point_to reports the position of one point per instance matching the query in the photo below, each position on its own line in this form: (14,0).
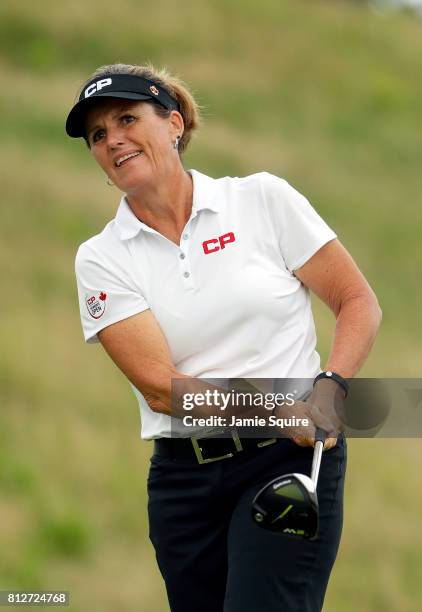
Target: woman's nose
(114,137)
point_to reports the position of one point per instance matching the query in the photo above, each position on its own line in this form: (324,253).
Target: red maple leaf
(103,296)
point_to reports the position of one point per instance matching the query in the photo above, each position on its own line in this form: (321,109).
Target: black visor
(125,86)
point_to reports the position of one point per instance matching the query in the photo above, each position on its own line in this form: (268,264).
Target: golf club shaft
(316,461)
(320,436)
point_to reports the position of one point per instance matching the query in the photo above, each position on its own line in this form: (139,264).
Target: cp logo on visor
(97,86)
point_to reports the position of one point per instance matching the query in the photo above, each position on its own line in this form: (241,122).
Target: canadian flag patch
(96,304)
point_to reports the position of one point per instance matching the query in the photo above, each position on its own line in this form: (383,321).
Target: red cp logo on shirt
(215,244)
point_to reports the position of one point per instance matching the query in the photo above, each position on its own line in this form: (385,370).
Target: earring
(176,143)
(109,182)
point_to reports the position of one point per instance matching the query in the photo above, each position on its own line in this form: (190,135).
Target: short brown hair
(189,108)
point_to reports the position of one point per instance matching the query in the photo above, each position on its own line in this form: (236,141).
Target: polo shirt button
(185,236)
(186,274)
(182,255)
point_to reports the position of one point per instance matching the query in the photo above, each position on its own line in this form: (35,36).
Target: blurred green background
(326,94)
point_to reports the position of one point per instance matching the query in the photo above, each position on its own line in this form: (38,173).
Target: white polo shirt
(226,298)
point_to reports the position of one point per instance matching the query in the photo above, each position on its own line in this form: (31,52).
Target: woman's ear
(177,125)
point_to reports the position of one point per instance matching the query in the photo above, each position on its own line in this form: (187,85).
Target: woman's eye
(97,135)
(128,119)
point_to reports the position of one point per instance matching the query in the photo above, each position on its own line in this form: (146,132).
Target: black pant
(214,558)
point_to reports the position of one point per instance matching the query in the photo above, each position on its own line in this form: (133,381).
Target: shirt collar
(204,198)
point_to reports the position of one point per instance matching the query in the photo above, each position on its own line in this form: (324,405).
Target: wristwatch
(334,376)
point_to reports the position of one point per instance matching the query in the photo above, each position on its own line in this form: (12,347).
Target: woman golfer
(208,278)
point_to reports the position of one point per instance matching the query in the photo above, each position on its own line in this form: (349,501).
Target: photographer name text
(235,421)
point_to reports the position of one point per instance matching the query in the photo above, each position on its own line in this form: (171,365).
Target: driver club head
(288,505)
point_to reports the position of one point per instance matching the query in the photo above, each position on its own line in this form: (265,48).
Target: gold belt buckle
(198,449)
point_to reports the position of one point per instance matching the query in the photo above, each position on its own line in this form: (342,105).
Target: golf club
(289,504)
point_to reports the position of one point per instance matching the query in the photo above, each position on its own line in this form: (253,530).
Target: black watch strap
(334,376)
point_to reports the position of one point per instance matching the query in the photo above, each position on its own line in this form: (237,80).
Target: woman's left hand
(325,409)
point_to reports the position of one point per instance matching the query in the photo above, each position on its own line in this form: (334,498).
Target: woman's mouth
(124,158)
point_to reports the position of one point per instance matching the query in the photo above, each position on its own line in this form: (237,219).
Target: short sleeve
(106,292)
(300,230)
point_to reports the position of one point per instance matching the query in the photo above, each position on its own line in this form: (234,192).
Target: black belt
(209,449)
